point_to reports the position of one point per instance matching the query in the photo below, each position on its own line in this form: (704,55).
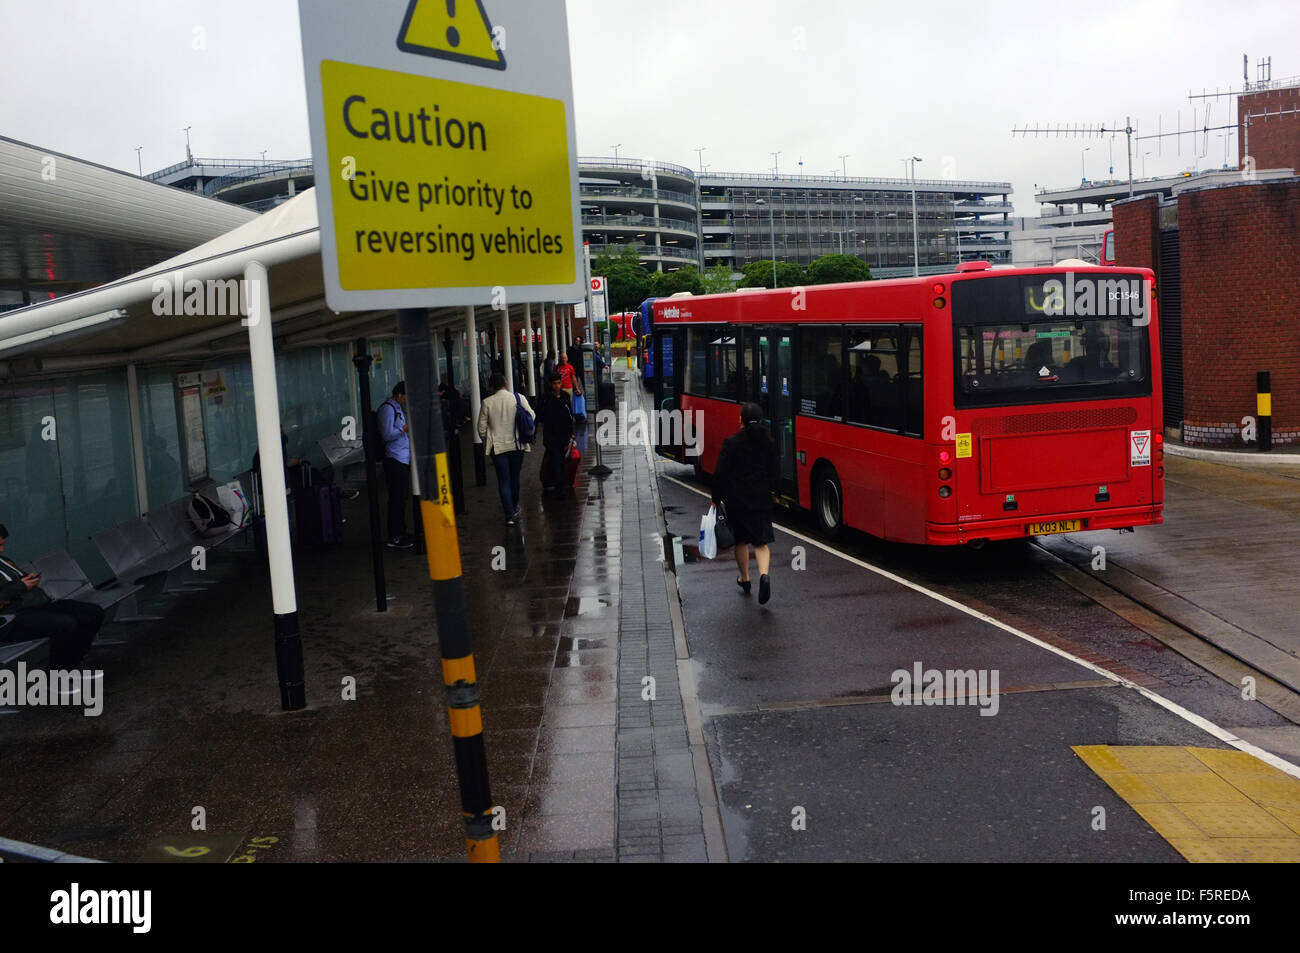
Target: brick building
(1227,264)
(1273,138)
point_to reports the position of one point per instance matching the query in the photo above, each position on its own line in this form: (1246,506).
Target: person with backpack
(747,472)
(507,425)
(392,427)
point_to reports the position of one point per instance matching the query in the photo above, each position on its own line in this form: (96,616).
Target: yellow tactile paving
(1290,818)
(1211,804)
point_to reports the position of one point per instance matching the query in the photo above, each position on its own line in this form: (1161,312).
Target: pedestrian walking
(397,464)
(497,427)
(555,415)
(748,467)
(568,377)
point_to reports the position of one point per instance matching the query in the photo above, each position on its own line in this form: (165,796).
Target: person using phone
(69,625)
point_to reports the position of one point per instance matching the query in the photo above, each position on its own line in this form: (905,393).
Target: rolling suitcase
(571,460)
(319,510)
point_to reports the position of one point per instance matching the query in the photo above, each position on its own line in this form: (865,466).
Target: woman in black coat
(555,415)
(747,471)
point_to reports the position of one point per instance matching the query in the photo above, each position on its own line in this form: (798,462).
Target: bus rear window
(1050,360)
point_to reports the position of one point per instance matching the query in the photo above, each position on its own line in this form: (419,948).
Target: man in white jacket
(496,425)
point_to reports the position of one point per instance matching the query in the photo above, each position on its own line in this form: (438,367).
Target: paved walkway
(570,612)
(1222,564)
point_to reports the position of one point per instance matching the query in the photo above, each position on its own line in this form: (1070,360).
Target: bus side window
(874,382)
(722,368)
(823,372)
(697,353)
(915,388)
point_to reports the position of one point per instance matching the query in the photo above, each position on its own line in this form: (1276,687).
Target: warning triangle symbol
(1140,443)
(451,30)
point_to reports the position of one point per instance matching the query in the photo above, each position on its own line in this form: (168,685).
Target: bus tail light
(937,288)
(945,473)
(945,491)
(944,456)
(939,302)
(1160,473)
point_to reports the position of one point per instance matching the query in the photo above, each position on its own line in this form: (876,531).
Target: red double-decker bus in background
(982,405)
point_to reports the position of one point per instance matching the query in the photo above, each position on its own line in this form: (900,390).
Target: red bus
(1107,256)
(987,404)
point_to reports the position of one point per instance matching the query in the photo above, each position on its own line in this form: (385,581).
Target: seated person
(1040,356)
(69,625)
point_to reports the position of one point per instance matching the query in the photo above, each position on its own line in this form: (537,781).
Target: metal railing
(631,191)
(638,221)
(650,251)
(223,164)
(721,178)
(634,165)
(249,174)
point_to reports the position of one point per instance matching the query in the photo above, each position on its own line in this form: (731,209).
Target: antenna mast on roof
(1086,132)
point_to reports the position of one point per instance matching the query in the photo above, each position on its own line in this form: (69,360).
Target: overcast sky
(742,78)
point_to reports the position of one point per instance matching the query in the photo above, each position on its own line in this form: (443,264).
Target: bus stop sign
(444,150)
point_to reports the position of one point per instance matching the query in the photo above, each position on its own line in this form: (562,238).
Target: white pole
(546,347)
(916,247)
(507,347)
(137,439)
(528,345)
(471,331)
(266,407)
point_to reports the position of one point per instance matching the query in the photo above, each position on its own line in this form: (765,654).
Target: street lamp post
(844,164)
(1083,167)
(616,148)
(771,220)
(916,244)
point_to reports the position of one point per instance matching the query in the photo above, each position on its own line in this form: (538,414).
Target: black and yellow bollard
(438,517)
(1263,412)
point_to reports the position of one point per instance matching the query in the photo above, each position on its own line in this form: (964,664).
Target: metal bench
(62,578)
(11,652)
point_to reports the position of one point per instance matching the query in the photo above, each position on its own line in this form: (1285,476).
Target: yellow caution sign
(443,177)
(963,445)
(451,185)
(460,32)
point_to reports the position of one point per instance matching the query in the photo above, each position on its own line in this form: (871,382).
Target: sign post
(446,175)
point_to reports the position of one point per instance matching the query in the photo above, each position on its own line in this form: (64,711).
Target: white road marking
(1190,716)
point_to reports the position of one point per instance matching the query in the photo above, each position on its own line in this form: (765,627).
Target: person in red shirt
(568,377)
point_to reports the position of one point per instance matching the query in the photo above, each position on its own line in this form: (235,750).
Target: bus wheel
(828,502)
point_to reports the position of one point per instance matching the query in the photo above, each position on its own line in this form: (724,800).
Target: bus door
(668,388)
(769,371)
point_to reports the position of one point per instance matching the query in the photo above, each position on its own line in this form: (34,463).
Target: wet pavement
(813,761)
(191,715)
(1222,564)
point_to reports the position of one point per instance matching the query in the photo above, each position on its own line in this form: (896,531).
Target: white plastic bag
(708,538)
(231,498)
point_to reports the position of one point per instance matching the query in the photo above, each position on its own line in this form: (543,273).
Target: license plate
(1055,526)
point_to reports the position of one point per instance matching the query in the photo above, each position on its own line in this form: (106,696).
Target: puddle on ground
(584,605)
(573,643)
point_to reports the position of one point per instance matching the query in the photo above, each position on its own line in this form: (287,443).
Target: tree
(629,281)
(685,278)
(833,269)
(718,280)
(758,274)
